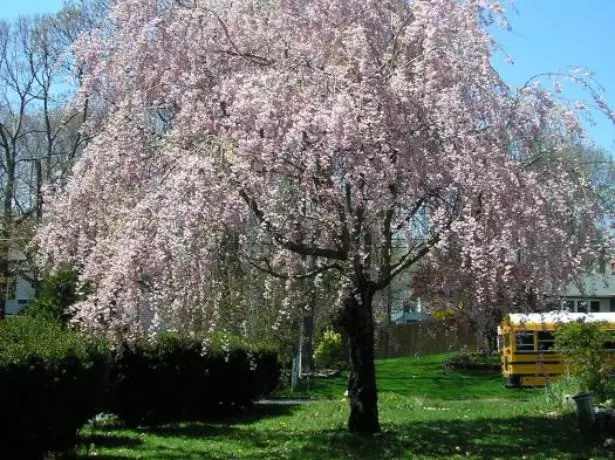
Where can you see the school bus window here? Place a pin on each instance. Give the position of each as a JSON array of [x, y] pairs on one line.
[[506, 341], [546, 341], [524, 341]]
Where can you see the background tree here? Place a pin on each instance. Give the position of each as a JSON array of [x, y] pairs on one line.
[[40, 132], [586, 356], [310, 129], [446, 289]]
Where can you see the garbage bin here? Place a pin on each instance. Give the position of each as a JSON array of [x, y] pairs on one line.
[[585, 412]]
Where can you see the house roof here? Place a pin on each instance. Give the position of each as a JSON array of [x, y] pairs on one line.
[[559, 316], [595, 285]]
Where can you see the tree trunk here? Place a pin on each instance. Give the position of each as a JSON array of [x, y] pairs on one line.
[[358, 325], [307, 321], [5, 231], [4, 270], [387, 322], [307, 340]]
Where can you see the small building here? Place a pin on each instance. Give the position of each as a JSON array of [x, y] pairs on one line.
[[19, 292], [408, 312]]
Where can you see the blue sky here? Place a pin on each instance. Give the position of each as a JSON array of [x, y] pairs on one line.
[[12, 8], [551, 35], [547, 35]]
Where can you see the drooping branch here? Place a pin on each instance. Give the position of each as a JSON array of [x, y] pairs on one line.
[[285, 242], [236, 51], [405, 261], [268, 269]]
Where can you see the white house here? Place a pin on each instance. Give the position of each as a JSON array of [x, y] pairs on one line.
[[19, 291], [595, 293]]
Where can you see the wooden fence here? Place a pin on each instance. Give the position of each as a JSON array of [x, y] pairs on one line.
[[420, 338]]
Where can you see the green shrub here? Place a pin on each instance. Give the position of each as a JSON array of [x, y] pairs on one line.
[[52, 382], [59, 290], [585, 355], [172, 378], [330, 352], [557, 396], [472, 361]]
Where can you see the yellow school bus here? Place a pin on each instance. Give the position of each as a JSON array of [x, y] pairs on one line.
[[526, 345]]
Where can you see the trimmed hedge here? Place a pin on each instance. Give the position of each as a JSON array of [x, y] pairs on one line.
[[52, 382], [173, 378]]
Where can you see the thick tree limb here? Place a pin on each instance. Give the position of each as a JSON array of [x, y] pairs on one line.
[[286, 243]]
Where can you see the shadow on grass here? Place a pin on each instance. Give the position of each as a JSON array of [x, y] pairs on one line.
[[111, 435], [533, 437], [109, 439], [318, 388], [212, 426]]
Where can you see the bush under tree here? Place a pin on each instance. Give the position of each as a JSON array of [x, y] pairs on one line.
[[331, 352], [585, 355], [59, 290], [172, 378], [53, 381]]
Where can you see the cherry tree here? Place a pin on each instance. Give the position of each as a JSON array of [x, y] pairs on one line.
[[346, 136]]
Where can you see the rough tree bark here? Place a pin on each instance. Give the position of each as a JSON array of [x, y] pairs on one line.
[[358, 325]]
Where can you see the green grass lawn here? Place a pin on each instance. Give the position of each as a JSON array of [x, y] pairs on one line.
[[425, 413], [421, 376]]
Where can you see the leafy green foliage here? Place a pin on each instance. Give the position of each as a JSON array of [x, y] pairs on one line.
[[330, 352], [466, 361], [52, 382], [173, 378], [59, 290], [557, 396], [586, 356]]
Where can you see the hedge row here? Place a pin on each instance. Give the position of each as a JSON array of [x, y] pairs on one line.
[[174, 378], [54, 380]]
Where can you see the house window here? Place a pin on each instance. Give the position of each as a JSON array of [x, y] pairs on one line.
[[584, 305], [612, 304], [524, 341], [546, 341], [552, 306]]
